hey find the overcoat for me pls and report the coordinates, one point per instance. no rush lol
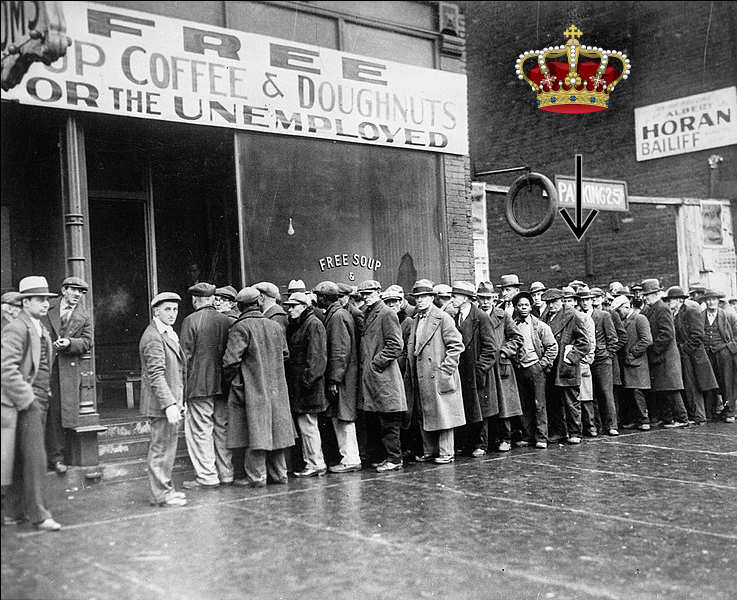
(406, 327)
(342, 367)
(586, 393)
(163, 372)
(621, 331)
(476, 361)
(277, 314)
(633, 356)
(502, 383)
(382, 386)
(696, 366)
(259, 416)
(202, 339)
(432, 361)
(80, 332)
(307, 363)
(663, 355)
(21, 354)
(570, 333)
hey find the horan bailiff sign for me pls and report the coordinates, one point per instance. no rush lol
(131, 63)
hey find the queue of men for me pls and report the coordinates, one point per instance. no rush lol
(362, 378)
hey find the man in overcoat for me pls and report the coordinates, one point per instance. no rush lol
(565, 377)
(665, 360)
(260, 419)
(269, 304)
(163, 377)
(635, 368)
(306, 379)
(203, 337)
(510, 286)
(382, 386)
(341, 375)
(474, 368)
(698, 376)
(224, 301)
(27, 359)
(720, 339)
(10, 307)
(70, 326)
(434, 348)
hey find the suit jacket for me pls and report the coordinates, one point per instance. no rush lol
(342, 368)
(502, 388)
(163, 373)
(569, 331)
(475, 363)
(663, 355)
(607, 342)
(697, 370)
(202, 340)
(633, 356)
(69, 366)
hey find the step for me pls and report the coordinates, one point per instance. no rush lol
(130, 447)
(124, 429)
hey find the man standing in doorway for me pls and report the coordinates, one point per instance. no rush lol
(27, 358)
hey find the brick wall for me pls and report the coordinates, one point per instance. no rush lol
(666, 45)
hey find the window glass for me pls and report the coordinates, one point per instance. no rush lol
(389, 45)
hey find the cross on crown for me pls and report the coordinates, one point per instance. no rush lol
(573, 33)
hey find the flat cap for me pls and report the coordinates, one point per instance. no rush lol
(370, 285)
(485, 289)
(13, 298)
(296, 285)
(165, 297)
(553, 294)
(393, 292)
(202, 289)
(441, 289)
(298, 298)
(326, 288)
(619, 301)
(465, 288)
(268, 289)
(75, 282)
(226, 292)
(344, 289)
(248, 295)
(537, 286)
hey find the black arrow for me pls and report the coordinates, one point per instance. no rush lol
(577, 228)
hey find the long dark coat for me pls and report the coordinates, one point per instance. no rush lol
(633, 356)
(432, 362)
(382, 386)
(478, 358)
(342, 367)
(80, 332)
(502, 383)
(663, 355)
(406, 327)
(163, 373)
(570, 333)
(307, 363)
(202, 338)
(696, 366)
(621, 331)
(258, 405)
(277, 314)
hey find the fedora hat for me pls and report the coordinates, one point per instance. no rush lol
(537, 286)
(675, 292)
(509, 281)
(442, 290)
(568, 292)
(424, 287)
(712, 294)
(485, 289)
(465, 288)
(584, 292)
(296, 285)
(34, 285)
(650, 286)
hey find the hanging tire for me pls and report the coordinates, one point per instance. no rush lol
(552, 208)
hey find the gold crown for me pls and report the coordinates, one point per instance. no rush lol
(576, 85)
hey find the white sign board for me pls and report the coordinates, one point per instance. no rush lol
(687, 124)
(601, 194)
(124, 62)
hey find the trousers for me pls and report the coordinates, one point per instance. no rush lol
(205, 431)
(311, 441)
(531, 384)
(260, 463)
(345, 434)
(160, 459)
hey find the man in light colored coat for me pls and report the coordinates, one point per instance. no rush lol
(163, 375)
(434, 348)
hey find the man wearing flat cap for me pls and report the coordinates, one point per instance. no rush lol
(268, 302)
(698, 376)
(11, 306)
(163, 377)
(348, 301)
(71, 330)
(27, 359)
(382, 386)
(720, 340)
(663, 357)
(259, 416)
(224, 301)
(203, 337)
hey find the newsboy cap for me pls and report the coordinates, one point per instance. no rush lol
(370, 285)
(466, 288)
(326, 288)
(553, 294)
(345, 290)
(165, 297)
(509, 281)
(248, 295)
(424, 287)
(12, 298)
(298, 298)
(75, 282)
(202, 290)
(393, 292)
(675, 292)
(226, 292)
(268, 289)
(35, 285)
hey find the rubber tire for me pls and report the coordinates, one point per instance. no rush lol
(552, 208)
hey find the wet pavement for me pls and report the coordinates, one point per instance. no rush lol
(647, 515)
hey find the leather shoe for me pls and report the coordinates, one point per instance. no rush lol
(388, 466)
(478, 453)
(60, 467)
(574, 440)
(521, 444)
(170, 502)
(241, 482)
(311, 472)
(444, 460)
(505, 447)
(423, 458)
(613, 432)
(196, 485)
(341, 468)
(48, 525)
(541, 445)
(8, 520)
(644, 427)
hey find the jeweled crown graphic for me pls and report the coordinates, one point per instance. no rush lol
(572, 78)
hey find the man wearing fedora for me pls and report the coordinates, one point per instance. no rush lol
(537, 289)
(434, 348)
(510, 286)
(663, 357)
(486, 296)
(27, 359)
(203, 337)
(474, 368)
(698, 376)
(382, 386)
(720, 331)
(10, 306)
(163, 377)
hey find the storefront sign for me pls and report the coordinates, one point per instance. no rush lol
(349, 260)
(687, 124)
(600, 194)
(138, 64)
